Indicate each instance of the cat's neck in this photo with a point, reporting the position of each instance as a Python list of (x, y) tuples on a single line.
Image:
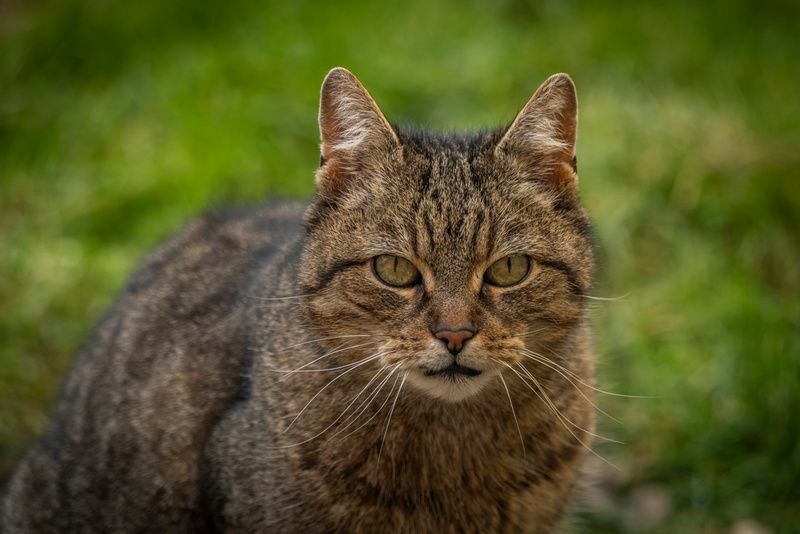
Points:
[(406, 437)]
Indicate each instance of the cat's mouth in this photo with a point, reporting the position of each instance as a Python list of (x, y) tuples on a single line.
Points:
[(453, 371)]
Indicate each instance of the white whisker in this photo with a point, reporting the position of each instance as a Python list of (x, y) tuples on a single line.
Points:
[(287, 297), (604, 438), (558, 414), (380, 408), (611, 393), (529, 333), (606, 299), (337, 377), (513, 412), (358, 411), (275, 353), (318, 434), (389, 419), (315, 360), (554, 367)]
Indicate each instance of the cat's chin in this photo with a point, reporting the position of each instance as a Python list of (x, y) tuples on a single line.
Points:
[(449, 386)]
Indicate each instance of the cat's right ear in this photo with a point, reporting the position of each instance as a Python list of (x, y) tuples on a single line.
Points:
[(352, 129)]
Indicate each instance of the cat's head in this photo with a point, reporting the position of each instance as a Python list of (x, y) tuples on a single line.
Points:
[(445, 257)]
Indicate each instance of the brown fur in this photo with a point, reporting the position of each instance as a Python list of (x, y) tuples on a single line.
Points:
[(179, 414)]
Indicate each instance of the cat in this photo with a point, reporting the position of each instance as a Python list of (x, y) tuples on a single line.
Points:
[(409, 352)]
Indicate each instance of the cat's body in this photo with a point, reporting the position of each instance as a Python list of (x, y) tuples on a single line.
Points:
[(126, 449), (181, 414)]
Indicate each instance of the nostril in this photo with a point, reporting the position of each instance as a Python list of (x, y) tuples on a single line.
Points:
[(454, 339)]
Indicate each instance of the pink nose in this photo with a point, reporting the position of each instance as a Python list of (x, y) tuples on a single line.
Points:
[(454, 339)]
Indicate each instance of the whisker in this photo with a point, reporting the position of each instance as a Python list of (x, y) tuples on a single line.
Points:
[(604, 438), (318, 434), (548, 363), (611, 393), (275, 353), (513, 412), (529, 333), (287, 297), (558, 414), (337, 377), (337, 347), (361, 408), (562, 418), (315, 360), (380, 408), (606, 299), (389, 419)]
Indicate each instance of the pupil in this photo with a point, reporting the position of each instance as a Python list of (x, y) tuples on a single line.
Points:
[(395, 264), (508, 262)]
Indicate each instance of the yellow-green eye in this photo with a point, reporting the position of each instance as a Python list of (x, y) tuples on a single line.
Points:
[(395, 271), (508, 271)]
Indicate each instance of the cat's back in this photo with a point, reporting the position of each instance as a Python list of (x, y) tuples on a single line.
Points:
[(125, 447), (207, 267)]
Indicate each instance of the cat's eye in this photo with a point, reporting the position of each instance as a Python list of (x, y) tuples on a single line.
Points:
[(508, 271), (395, 271)]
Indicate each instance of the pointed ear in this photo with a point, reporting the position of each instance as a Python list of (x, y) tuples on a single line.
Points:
[(543, 134), (351, 124)]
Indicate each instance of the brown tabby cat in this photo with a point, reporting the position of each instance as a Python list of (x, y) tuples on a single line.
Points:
[(409, 353)]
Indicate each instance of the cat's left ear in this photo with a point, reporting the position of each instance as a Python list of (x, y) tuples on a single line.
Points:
[(542, 136), (352, 128)]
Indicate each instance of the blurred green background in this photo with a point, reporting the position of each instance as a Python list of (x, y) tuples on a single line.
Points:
[(120, 120)]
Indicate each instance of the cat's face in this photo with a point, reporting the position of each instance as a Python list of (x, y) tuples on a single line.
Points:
[(443, 258)]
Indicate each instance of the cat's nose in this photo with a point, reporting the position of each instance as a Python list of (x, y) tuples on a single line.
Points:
[(455, 339)]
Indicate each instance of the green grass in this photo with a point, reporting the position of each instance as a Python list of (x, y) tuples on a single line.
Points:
[(120, 120)]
